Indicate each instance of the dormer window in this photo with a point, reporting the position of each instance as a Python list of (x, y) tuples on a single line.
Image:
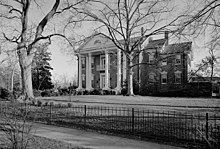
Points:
[(178, 60)]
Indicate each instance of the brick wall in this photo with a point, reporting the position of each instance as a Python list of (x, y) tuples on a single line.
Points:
[(147, 87)]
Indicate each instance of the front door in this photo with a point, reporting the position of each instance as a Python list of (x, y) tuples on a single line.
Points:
[(102, 80)]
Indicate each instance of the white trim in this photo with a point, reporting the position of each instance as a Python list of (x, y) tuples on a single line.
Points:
[(163, 72), (124, 68), (107, 70), (118, 87), (88, 72), (79, 72), (101, 85)]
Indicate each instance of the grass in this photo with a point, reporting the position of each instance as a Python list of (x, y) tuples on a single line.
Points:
[(192, 105), (40, 143)]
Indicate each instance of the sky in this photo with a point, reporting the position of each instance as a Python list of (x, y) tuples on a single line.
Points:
[(64, 64)]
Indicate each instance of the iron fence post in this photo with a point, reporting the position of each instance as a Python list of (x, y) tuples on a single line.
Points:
[(207, 127), (50, 121), (85, 115), (132, 120)]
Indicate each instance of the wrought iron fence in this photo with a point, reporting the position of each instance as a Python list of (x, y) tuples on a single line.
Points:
[(163, 125)]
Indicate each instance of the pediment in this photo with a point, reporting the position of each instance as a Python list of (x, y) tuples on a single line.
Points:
[(95, 42)]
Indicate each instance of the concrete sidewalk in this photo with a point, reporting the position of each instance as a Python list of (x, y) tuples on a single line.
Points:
[(94, 140)]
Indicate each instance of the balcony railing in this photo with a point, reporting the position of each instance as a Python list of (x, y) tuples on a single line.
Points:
[(100, 67)]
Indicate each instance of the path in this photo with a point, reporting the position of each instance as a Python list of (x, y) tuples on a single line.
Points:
[(94, 140)]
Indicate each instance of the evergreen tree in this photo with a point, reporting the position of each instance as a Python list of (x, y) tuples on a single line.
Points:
[(41, 75)]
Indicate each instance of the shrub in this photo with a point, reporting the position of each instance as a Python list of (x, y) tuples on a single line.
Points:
[(63, 91), (14, 125), (46, 93), (51, 104), (124, 91), (4, 93), (96, 92), (106, 92), (69, 105), (39, 103), (59, 105), (46, 104), (86, 92), (37, 93)]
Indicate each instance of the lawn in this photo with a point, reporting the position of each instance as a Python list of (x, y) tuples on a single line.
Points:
[(39, 143), (142, 102)]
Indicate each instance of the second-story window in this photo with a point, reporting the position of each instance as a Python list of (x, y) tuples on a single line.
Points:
[(92, 62), (102, 62), (164, 61), (151, 57), (152, 78), (83, 77), (178, 60), (83, 61)]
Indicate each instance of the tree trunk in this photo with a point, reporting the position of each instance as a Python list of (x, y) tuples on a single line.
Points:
[(130, 77), (12, 78), (25, 62)]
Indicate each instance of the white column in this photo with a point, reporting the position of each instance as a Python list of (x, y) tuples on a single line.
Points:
[(79, 72), (88, 72), (106, 70), (124, 67), (118, 87)]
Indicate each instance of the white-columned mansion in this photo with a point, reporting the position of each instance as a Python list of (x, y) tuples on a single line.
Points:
[(101, 65)]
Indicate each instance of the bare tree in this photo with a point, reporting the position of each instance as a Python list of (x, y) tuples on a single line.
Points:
[(209, 66), (9, 68), (25, 35), (203, 20), (127, 23)]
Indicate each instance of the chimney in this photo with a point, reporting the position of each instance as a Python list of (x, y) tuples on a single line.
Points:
[(166, 36), (142, 31)]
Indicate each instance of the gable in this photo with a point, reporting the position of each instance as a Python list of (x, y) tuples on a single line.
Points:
[(100, 42), (178, 48), (96, 42)]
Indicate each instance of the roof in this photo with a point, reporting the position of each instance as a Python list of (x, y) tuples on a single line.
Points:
[(155, 43), (91, 38), (204, 79), (178, 48)]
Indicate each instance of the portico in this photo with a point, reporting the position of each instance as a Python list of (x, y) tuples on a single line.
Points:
[(103, 66)]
